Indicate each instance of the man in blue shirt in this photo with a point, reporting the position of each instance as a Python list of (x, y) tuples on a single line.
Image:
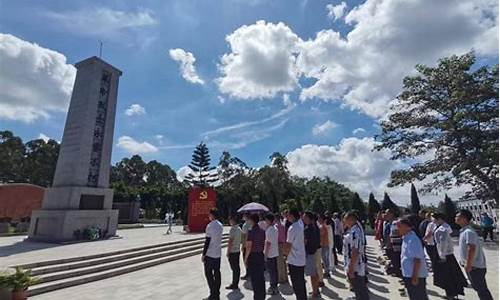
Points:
[(413, 266), (487, 226), (472, 255)]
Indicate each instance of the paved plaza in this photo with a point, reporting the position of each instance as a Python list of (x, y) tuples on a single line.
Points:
[(14, 250), (184, 279)]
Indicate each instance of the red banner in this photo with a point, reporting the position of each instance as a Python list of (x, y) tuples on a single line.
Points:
[(200, 201)]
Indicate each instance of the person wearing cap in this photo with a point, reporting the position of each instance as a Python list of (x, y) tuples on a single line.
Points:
[(471, 255), (413, 266)]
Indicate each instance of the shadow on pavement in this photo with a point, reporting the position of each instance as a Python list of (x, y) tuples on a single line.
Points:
[(24, 246)]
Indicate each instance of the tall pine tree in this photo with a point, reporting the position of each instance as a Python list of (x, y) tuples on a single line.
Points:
[(448, 208), (202, 174), (388, 204), (373, 209), (359, 205), (415, 202)]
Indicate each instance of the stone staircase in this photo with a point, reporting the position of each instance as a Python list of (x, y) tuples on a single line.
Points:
[(62, 273)]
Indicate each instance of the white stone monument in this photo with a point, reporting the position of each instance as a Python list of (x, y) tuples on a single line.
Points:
[(80, 196)]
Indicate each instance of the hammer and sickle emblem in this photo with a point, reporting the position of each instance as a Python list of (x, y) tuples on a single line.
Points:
[(203, 195)]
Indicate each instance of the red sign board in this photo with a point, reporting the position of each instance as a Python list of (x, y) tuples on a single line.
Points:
[(200, 201)]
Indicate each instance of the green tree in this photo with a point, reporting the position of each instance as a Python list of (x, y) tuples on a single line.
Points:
[(415, 202), (11, 157), (332, 204), (359, 205), (451, 111), (202, 174), (273, 182), (159, 174), (373, 209), (40, 161), (388, 204), (129, 171), (448, 208), (237, 183)]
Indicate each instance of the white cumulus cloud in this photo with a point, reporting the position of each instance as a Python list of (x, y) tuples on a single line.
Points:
[(261, 62), (186, 62), (132, 146), (182, 172), (34, 81), (323, 128), (353, 163), (335, 12), (364, 68), (135, 110)]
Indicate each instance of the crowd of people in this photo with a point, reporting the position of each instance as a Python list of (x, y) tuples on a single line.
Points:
[(293, 245), (405, 241)]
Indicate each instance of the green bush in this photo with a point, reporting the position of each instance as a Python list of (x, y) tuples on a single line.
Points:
[(20, 280)]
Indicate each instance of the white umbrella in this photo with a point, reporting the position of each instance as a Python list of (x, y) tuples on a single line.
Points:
[(253, 206)]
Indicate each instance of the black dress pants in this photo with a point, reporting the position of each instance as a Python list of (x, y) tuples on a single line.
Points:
[(212, 273)]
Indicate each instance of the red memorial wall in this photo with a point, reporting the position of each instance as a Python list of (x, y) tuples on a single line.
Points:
[(200, 201)]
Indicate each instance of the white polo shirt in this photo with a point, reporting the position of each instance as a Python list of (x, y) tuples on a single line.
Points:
[(272, 238), (214, 232), (295, 237)]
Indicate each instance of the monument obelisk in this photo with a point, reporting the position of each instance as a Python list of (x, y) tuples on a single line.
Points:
[(80, 196)]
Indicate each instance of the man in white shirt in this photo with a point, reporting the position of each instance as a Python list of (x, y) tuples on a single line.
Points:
[(430, 245), (271, 254), (296, 254), (212, 253), (472, 257), (447, 274)]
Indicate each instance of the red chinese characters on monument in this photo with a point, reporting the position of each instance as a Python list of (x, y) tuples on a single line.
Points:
[(200, 201)]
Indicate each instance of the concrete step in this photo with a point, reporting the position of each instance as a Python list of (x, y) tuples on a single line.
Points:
[(62, 273), (68, 282), (75, 272), (112, 253), (113, 258)]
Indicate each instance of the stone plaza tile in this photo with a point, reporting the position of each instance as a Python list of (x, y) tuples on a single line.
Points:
[(184, 279)]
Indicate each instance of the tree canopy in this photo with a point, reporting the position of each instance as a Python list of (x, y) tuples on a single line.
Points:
[(373, 209), (32, 162), (445, 121), (388, 204), (202, 174), (448, 208)]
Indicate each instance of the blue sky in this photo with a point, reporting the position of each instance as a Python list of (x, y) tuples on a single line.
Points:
[(311, 80)]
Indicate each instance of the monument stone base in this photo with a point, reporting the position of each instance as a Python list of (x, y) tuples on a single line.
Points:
[(60, 225), (67, 209)]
